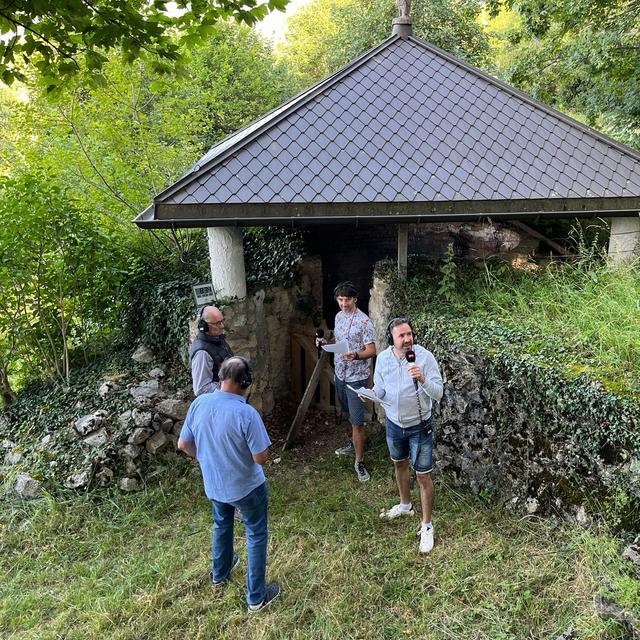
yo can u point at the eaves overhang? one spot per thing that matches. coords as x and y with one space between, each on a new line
174 216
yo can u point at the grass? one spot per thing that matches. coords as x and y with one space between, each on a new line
136 566
594 310
588 309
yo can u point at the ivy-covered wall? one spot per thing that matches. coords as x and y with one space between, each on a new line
513 426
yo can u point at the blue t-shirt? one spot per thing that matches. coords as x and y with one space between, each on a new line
227 432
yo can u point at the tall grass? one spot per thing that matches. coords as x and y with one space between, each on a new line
134 567
594 310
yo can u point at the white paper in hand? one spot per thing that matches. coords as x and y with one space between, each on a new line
366 393
338 347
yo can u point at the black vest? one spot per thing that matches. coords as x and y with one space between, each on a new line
216 347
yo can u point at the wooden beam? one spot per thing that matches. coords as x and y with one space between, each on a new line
403 250
306 399
563 251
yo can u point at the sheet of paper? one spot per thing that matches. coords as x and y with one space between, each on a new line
366 393
337 347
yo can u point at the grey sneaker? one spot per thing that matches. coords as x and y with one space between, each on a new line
273 591
361 471
221 583
347 450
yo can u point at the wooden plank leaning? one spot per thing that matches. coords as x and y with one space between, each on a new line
306 399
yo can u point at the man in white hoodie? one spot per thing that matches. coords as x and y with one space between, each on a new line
408 380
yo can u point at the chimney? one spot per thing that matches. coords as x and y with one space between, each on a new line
402 24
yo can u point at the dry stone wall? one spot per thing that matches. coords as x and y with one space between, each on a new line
126 431
507 435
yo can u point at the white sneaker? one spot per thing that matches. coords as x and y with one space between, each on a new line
396 512
426 539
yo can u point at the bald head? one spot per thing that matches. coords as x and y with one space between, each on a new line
214 319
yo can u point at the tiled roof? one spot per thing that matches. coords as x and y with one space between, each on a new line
405 130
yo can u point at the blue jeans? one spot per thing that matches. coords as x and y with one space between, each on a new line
254 515
415 443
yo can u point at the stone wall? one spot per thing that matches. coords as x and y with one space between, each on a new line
259 328
127 430
495 436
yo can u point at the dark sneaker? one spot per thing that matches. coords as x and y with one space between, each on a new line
361 471
347 450
273 591
221 583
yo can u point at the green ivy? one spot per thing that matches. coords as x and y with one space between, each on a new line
272 255
562 402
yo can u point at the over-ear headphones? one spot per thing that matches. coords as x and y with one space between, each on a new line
247 377
203 325
346 288
394 323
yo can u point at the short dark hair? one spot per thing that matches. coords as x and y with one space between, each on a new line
233 368
346 289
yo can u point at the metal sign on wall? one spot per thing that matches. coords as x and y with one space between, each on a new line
204 293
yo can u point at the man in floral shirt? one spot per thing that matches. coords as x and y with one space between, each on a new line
352 368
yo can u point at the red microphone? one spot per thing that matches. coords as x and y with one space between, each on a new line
411 358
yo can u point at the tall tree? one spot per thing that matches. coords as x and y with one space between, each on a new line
117 144
326 34
59 37
582 57
59 276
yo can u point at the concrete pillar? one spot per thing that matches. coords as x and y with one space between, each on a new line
226 254
624 241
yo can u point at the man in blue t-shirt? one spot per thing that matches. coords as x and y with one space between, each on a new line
230 442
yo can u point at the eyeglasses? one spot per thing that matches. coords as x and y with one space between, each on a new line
220 323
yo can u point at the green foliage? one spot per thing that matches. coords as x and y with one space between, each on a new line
326 34
116 145
59 273
113 146
272 254
448 282
585 310
580 57
59 40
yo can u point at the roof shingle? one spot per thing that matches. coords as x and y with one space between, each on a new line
408 123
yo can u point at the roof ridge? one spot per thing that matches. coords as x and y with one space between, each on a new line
620 146
271 118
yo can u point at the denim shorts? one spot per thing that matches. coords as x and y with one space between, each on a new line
349 401
414 442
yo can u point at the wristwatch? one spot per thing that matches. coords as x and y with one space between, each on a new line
357 356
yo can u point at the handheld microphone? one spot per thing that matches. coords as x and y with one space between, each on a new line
411 358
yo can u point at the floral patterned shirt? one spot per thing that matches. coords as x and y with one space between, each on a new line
357 330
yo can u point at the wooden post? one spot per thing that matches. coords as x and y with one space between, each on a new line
403 250
306 399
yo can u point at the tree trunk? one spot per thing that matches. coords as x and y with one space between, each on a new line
6 392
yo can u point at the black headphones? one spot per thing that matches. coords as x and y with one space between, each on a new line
247 377
351 291
203 325
399 321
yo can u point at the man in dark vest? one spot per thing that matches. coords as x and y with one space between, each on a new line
208 351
